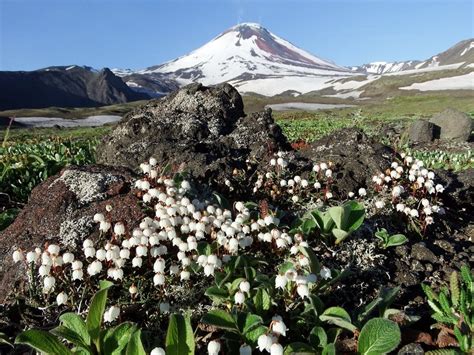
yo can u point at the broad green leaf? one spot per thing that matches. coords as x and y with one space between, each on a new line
379 336
262 300
248 322
219 319
396 239
300 349
43 342
179 337
329 349
251 337
117 338
318 337
135 345
338 316
96 311
71 336
339 234
216 293
75 323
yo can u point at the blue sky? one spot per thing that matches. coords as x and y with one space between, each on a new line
140 33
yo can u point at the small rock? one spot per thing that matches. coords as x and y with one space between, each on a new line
420 252
411 349
417 266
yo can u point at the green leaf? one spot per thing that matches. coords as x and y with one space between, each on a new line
43 342
396 239
216 293
287 265
220 319
180 337
251 337
96 311
249 322
71 336
330 349
262 300
75 323
222 201
338 316
299 348
379 336
454 287
135 345
117 338
339 234
5 340
314 265
318 337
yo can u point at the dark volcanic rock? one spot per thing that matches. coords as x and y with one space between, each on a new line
204 130
454 125
61 210
421 131
357 156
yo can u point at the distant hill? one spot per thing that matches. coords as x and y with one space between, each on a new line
461 54
64 86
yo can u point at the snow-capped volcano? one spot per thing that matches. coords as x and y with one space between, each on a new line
247 56
243 52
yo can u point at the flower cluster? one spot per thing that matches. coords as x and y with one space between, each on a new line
279 183
409 188
269 342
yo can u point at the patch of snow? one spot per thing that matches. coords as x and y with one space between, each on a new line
428 69
305 106
91 121
467 49
347 95
461 82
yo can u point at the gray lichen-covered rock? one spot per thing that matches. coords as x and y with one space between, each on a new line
453 124
421 131
201 129
61 210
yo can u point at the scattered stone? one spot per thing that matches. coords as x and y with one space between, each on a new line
420 252
421 131
454 125
411 349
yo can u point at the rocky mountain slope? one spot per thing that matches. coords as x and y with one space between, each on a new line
73 86
255 60
248 56
461 55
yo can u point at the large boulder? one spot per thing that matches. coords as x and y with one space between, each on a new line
357 157
61 209
421 131
454 125
202 130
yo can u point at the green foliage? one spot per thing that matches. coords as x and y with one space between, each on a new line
445 160
337 222
379 336
23 165
7 217
87 337
390 240
239 327
453 307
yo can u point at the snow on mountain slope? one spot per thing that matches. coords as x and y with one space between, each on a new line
246 56
244 52
461 53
